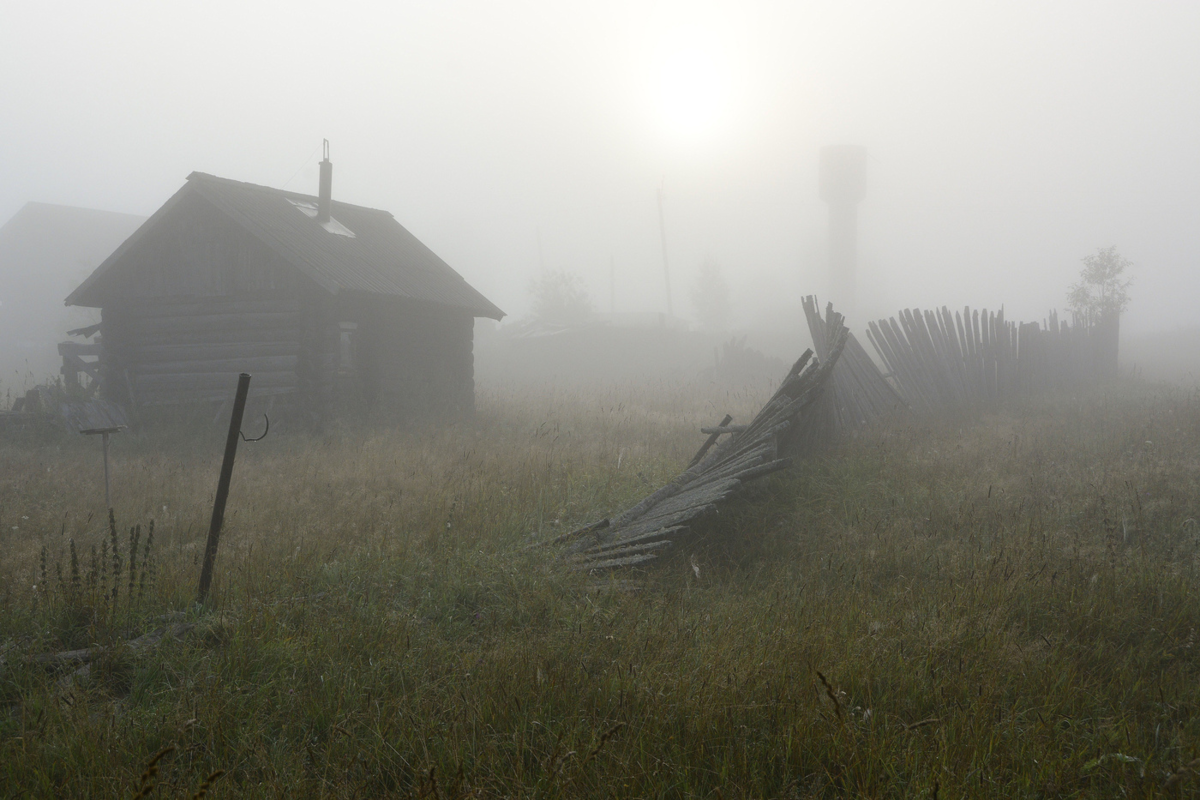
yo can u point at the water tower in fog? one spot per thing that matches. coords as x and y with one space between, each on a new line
843 182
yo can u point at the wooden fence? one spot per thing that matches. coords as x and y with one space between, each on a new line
936 361
858 395
941 359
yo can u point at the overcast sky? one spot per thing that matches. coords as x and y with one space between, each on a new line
1006 140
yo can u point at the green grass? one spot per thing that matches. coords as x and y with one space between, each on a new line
1001 606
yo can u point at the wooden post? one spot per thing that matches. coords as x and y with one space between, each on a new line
107 492
218 515
708 443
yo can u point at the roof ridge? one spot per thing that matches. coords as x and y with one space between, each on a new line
206 176
384 258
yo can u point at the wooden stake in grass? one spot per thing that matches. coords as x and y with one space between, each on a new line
709 442
218 515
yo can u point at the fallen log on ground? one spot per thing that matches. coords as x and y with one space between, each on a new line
144 642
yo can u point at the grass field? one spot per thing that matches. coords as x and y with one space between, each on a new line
1001 605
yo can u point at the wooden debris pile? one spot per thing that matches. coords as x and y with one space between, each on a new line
858 394
80 661
936 361
718 472
26 409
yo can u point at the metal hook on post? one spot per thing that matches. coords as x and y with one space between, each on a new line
264 433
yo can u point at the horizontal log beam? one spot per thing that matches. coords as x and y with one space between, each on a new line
210 306
213 322
210 352
255 366
119 338
187 382
173 398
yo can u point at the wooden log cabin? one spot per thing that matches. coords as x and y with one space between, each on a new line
330 306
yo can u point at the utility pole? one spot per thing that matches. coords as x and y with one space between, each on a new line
662 229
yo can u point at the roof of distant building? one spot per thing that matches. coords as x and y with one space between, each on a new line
359 250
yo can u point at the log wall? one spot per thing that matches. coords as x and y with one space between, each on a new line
170 353
200 300
421 358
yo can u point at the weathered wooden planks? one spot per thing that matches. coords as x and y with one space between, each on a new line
231 364
857 394
264 320
211 305
154 354
938 361
780 430
200 381
173 397
178 351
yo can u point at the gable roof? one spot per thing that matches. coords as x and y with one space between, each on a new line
381 257
44 243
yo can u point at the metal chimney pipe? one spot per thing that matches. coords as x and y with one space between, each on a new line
325 195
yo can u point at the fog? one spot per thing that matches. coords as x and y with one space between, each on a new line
1005 141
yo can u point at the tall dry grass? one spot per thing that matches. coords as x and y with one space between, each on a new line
992 607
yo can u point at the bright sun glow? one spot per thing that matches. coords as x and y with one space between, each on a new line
692 88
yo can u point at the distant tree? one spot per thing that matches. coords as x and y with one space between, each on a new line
710 296
1102 292
560 297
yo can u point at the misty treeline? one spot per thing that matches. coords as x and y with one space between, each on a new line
560 297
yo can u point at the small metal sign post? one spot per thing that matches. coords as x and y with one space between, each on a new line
92 417
104 432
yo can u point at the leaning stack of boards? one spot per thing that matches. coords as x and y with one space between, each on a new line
858 394
642 532
940 360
